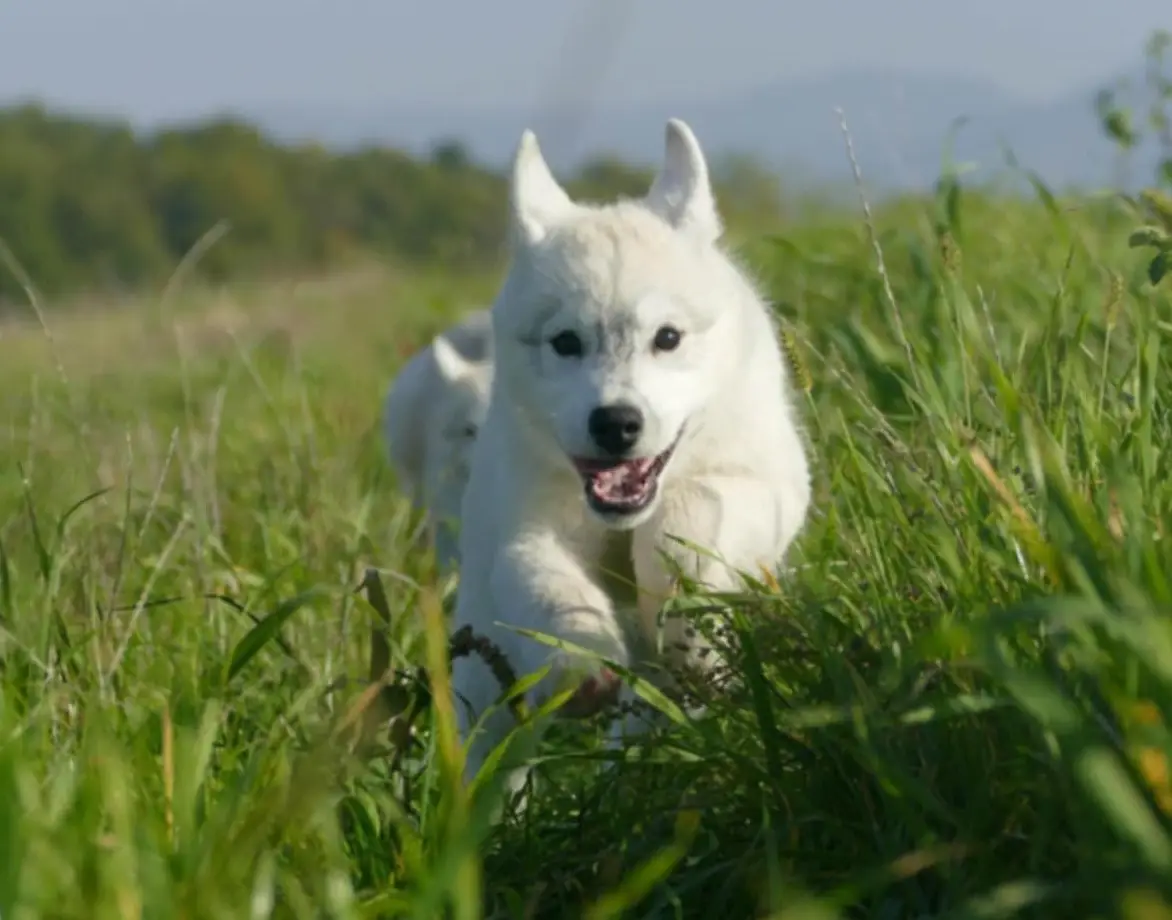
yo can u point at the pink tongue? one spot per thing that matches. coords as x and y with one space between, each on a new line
627 480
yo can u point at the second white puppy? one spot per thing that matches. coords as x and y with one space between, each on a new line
432 413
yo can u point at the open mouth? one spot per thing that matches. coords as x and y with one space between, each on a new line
622 486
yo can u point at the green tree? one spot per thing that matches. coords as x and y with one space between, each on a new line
90 203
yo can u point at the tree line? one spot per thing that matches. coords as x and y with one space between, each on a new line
91 204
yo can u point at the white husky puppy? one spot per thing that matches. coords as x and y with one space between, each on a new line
639 387
433 411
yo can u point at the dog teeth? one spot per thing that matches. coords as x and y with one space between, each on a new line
629 480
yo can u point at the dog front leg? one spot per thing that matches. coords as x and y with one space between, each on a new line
538 583
541 584
736 524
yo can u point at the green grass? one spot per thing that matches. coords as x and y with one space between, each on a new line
956 707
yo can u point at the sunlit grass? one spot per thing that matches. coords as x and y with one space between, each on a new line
956 706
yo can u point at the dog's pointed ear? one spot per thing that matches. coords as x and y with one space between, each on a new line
682 191
536 200
452 365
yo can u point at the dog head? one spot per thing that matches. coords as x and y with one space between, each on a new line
614 326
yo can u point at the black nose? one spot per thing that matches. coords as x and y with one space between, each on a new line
615 428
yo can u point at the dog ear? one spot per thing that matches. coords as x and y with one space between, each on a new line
682 191
536 200
452 365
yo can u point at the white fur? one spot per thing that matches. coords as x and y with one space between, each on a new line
738 483
433 411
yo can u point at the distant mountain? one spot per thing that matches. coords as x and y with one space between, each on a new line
899 125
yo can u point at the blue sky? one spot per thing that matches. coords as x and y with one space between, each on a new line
154 58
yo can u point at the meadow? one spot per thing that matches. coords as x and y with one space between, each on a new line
956 706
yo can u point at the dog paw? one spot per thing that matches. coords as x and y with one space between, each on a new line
595 693
595 686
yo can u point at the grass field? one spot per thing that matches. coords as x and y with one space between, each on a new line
957 706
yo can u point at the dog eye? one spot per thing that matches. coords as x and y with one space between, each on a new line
667 339
566 345
469 430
